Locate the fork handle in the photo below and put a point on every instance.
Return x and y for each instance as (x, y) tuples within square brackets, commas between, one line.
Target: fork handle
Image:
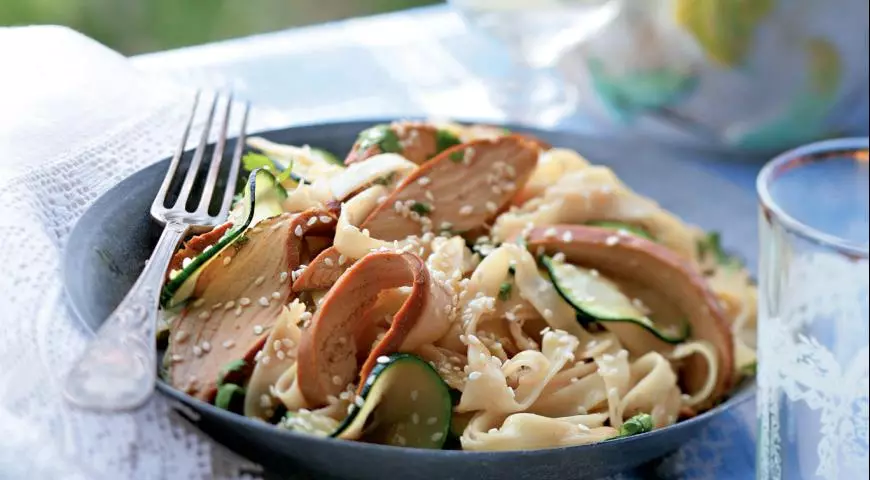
[(117, 370)]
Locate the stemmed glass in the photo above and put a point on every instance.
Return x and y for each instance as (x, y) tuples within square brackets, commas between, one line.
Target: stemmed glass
[(536, 33)]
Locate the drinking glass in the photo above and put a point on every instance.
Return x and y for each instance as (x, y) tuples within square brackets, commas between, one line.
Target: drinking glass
[(813, 324), (536, 33)]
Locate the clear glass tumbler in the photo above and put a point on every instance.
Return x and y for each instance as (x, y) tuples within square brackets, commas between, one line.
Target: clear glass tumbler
[(814, 326)]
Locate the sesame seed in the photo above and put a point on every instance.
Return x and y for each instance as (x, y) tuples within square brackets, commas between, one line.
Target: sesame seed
[(204, 315), (466, 210), (239, 311), (227, 260), (177, 358), (206, 347), (548, 314), (181, 336), (263, 301), (265, 360), (282, 277), (259, 281), (611, 240), (244, 301), (217, 306), (276, 295), (258, 329), (198, 303), (287, 343), (491, 207), (197, 350), (431, 420), (280, 354), (298, 230), (229, 305), (312, 221), (327, 261), (383, 359), (496, 189), (336, 380), (437, 436), (414, 395), (424, 181), (550, 232), (342, 259), (325, 219)]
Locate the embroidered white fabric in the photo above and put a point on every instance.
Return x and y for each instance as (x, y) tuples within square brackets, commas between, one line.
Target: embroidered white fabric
[(76, 118)]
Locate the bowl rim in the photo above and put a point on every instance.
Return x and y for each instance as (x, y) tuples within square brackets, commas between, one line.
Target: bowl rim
[(739, 394)]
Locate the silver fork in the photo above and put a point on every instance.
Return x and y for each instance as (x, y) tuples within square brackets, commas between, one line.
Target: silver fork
[(117, 371)]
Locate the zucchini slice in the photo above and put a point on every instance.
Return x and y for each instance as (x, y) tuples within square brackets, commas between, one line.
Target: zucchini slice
[(404, 403), (597, 299), (613, 225), (261, 199)]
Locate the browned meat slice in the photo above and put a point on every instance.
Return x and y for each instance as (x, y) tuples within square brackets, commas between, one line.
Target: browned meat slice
[(322, 272), (461, 189), (647, 263), (236, 300), (197, 244), (327, 356), (418, 142)]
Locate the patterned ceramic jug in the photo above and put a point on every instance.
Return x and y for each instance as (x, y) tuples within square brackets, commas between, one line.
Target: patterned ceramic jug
[(760, 75)]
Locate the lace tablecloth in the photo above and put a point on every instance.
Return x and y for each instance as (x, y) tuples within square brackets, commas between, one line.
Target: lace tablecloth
[(75, 118)]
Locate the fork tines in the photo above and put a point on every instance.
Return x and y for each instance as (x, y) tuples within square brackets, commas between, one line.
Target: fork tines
[(198, 213)]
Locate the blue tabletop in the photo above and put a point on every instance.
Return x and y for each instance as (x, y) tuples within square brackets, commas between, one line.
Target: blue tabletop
[(425, 62)]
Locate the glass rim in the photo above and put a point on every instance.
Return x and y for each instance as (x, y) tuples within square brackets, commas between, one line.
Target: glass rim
[(767, 176)]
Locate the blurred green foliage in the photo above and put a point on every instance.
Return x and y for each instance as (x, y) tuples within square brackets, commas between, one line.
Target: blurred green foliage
[(137, 26)]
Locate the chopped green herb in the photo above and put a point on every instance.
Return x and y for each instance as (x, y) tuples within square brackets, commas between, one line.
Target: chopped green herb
[(421, 208), (457, 156), (504, 291), (445, 140), (233, 368), (640, 423), (240, 242), (252, 161), (711, 244), (506, 131), (287, 173), (749, 370), (381, 136), (230, 397), (386, 179)]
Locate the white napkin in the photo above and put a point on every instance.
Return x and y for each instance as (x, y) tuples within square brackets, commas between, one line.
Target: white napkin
[(75, 118)]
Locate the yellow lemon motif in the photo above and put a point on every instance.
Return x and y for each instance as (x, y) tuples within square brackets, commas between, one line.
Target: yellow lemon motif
[(723, 28)]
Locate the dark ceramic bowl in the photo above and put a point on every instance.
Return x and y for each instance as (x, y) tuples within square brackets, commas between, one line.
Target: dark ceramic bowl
[(109, 245)]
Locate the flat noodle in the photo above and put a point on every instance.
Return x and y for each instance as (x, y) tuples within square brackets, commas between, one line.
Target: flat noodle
[(349, 239), (526, 431), (654, 390), (705, 350), (271, 365)]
